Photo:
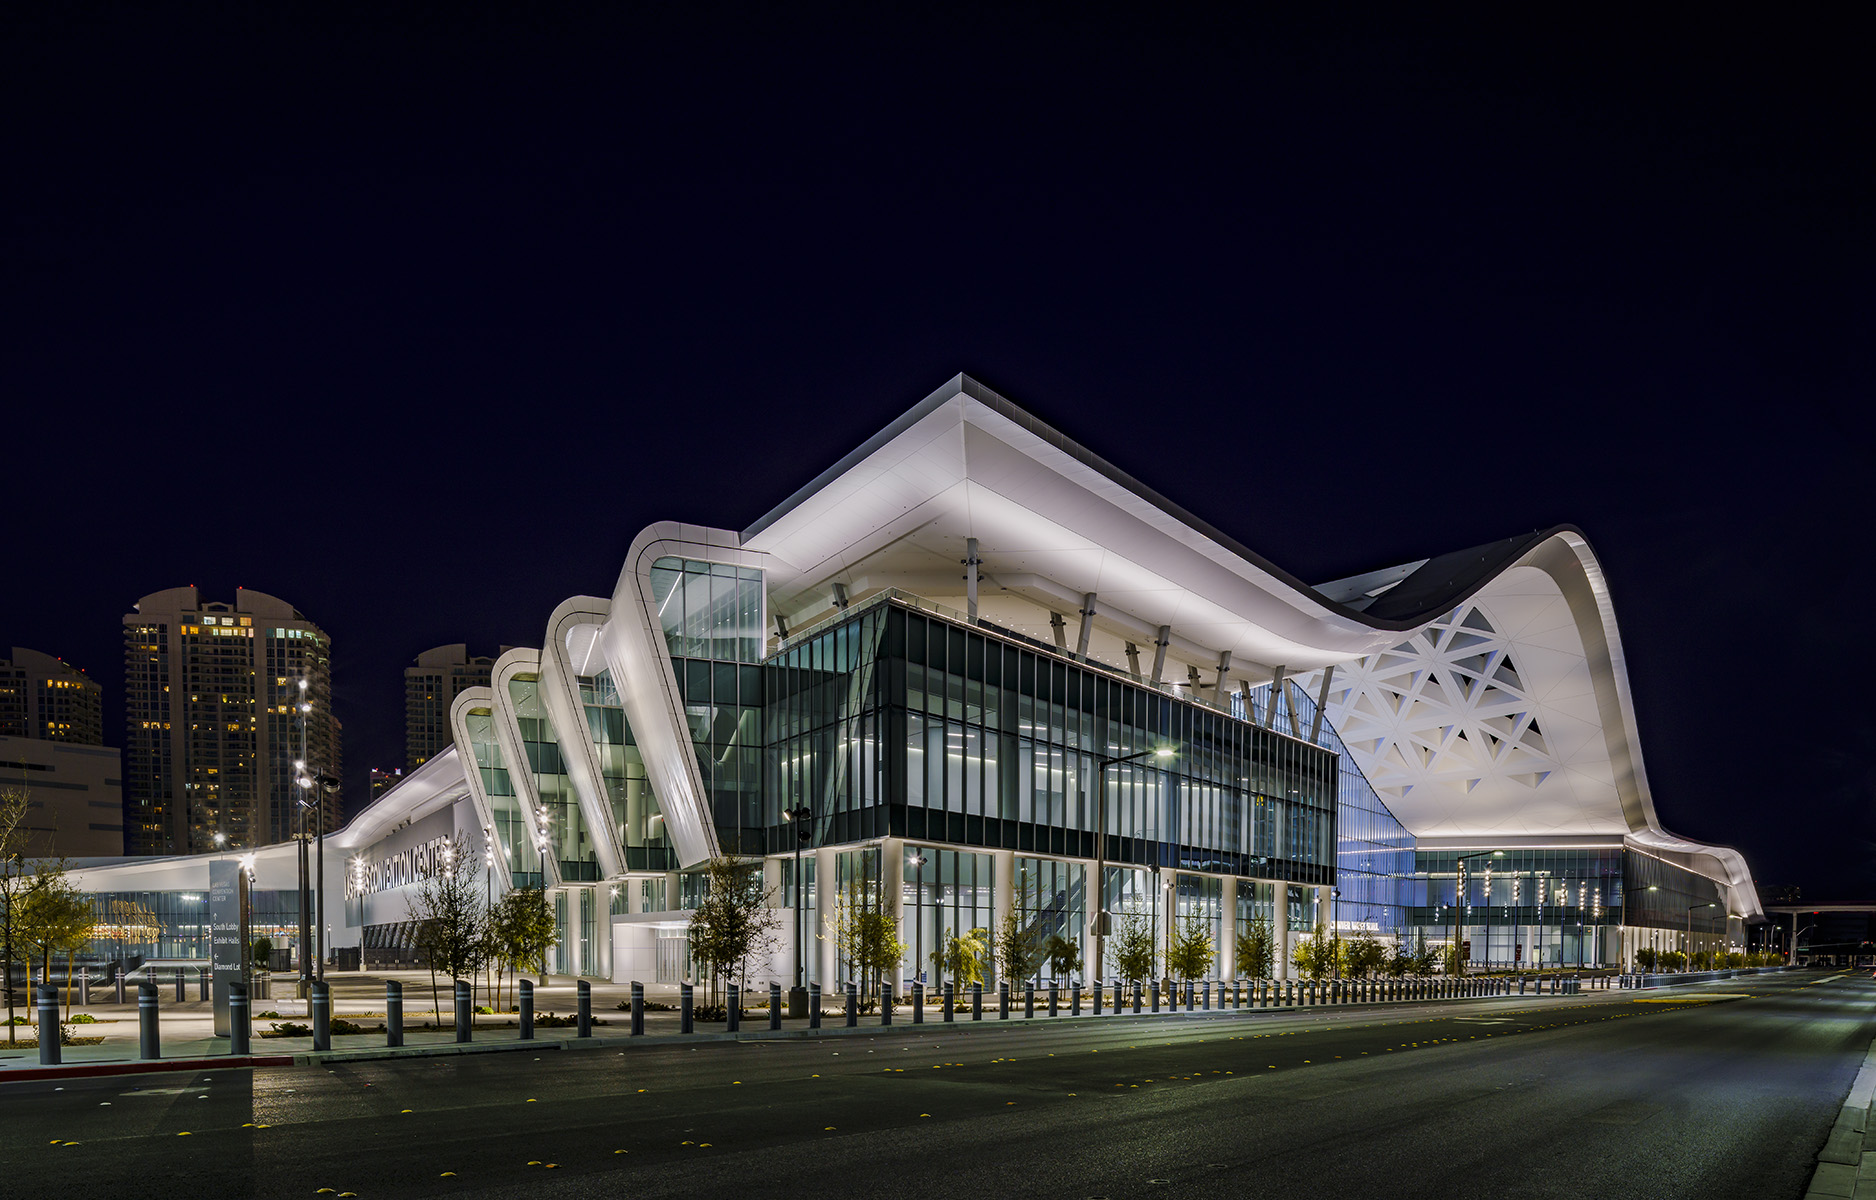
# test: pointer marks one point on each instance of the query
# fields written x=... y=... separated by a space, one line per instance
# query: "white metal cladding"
x=1509 y=719
x=523 y=661
x=560 y=695
x=390 y=805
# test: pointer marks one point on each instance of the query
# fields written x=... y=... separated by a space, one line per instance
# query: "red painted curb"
x=89 y=1070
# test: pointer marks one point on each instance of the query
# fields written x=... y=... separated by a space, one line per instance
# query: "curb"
x=142 y=1067
x=1846 y=1166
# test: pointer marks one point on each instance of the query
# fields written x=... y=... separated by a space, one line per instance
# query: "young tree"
x=451 y=917
x=964 y=959
x=1425 y=957
x=1450 y=962
x=55 y=915
x=523 y=930
x=734 y=923
x=866 y=936
x=1365 y=955
x=1256 y=949
x=1136 y=950
x=1189 y=951
x=1318 y=954
x=18 y=885
x=1017 y=956
x=1063 y=957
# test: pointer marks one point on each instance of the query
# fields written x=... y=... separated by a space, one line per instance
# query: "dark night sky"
x=415 y=321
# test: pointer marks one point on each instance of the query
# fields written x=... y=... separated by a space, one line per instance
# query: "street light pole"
x=1689 y=964
x=1626 y=893
x=1459 y=875
x=802 y=817
x=1101 y=917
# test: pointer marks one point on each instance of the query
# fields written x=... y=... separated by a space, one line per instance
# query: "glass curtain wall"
x=568 y=839
x=1374 y=857
x=513 y=830
x=635 y=812
x=1525 y=908
x=1052 y=901
x=948 y=893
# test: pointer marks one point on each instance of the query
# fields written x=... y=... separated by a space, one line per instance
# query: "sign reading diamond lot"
x=228 y=932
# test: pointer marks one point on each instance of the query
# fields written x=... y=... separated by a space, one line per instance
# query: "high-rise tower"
x=48 y=699
x=221 y=702
x=430 y=687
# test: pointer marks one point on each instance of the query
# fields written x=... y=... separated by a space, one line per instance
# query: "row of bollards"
x=1197 y=996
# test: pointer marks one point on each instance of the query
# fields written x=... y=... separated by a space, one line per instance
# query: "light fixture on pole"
x=1689 y=964
x=1102 y=920
x=802 y=818
x=1459 y=898
x=1626 y=893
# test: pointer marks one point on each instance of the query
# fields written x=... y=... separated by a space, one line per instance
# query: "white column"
x=892 y=873
x=1325 y=908
x=824 y=888
x=1002 y=894
x=1280 y=947
x=1228 y=952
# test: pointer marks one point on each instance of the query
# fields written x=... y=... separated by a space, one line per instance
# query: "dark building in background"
x=223 y=702
x=442 y=673
x=47 y=698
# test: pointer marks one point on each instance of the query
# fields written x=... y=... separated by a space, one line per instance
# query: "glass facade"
x=513 y=830
x=175 y=924
x=1374 y=855
x=635 y=812
x=568 y=841
x=902 y=723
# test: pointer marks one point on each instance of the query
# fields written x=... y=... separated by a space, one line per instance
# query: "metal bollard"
x=977 y=1001
x=1155 y=986
x=120 y=985
x=583 y=1013
x=775 y=1006
x=201 y=983
x=1099 y=987
x=1029 y=1001
x=885 y=1004
x=638 y=1009
x=685 y=1024
x=1055 y=996
x=1206 y=1005
x=733 y=1008
x=527 y=1010
x=853 y=1004
x=465 y=1020
x=49 y=1025
x=393 y=1013
x=1189 y=991
x=1074 y=998
x=918 y=1003
x=238 y=1029
x=950 y=1002
x=84 y=988
x=181 y=992
x=1003 y=1000
x=1136 y=999
x=322 y=1013
x=149 y=1038
x=814 y=1006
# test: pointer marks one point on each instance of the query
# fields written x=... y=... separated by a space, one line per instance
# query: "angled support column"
x=1060 y=627
x=1133 y=658
x=781 y=628
x=1159 y=652
x=840 y=595
x=1087 y=625
x=1322 y=702
x=1276 y=690
x=970 y=576
x=1218 y=689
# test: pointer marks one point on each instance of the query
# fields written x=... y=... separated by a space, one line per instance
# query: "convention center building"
x=983 y=668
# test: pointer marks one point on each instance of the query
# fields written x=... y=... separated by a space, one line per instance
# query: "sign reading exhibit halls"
x=228 y=934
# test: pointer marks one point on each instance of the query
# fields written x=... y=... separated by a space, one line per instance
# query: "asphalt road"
x=1722 y=1091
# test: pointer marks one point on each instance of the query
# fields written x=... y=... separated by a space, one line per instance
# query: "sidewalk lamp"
x=1689 y=965
x=1459 y=899
x=802 y=818
x=1103 y=920
x=1626 y=893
